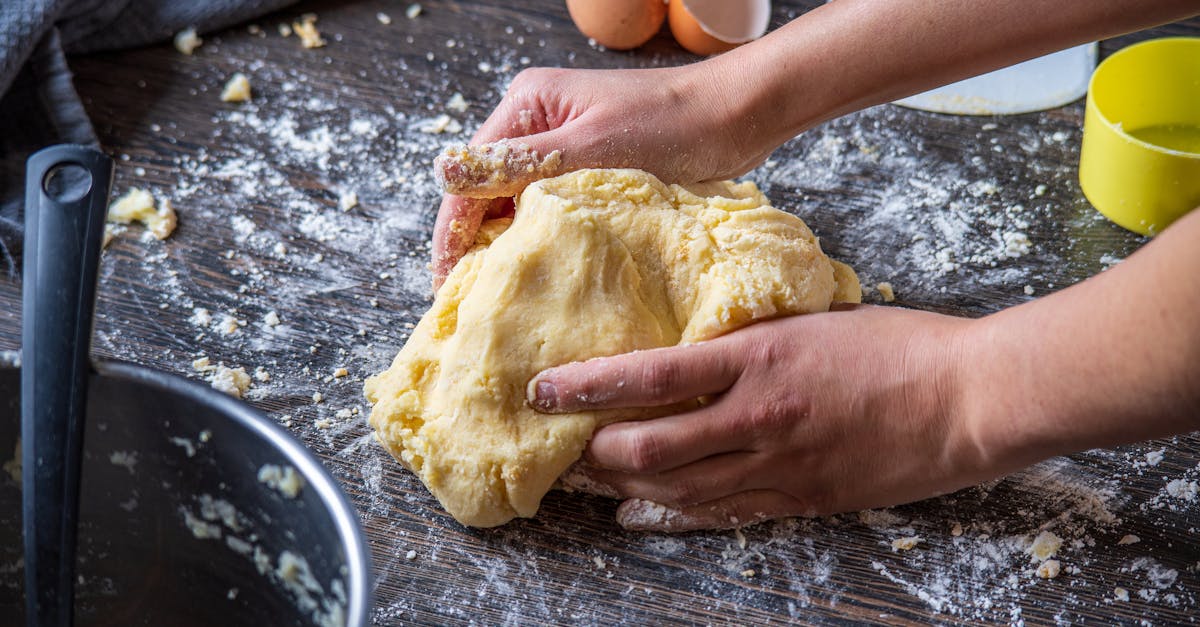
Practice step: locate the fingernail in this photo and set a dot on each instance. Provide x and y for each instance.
(542, 395)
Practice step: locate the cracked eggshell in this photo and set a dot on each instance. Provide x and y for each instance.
(618, 24)
(707, 27)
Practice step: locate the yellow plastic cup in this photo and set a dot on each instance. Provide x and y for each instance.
(1140, 160)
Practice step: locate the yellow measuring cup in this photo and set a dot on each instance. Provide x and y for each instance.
(1140, 160)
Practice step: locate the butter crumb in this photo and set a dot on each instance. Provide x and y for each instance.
(306, 30)
(412, 11)
(906, 543)
(1049, 569)
(1128, 539)
(348, 201)
(186, 40)
(237, 89)
(137, 205)
(1044, 546)
(886, 291)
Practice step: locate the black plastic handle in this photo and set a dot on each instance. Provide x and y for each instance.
(66, 198)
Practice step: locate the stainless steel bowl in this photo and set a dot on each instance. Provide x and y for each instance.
(175, 525)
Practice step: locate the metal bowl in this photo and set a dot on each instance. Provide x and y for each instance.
(188, 514)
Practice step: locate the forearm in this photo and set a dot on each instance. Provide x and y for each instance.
(1111, 360)
(852, 54)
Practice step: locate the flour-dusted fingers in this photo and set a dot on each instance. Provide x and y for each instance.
(493, 170)
(454, 232)
(738, 510)
(706, 480)
(650, 378)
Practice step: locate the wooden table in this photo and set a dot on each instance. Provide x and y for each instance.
(935, 204)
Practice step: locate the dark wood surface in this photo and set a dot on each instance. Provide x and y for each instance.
(886, 190)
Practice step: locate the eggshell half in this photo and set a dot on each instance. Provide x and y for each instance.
(707, 27)
(618, 24)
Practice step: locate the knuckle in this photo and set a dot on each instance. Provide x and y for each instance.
(685, 491)
(659, 377)
(770, 416)
(645, 453)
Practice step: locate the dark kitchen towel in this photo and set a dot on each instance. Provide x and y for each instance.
(38, 103)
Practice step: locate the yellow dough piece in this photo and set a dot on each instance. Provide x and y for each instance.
(595, 263)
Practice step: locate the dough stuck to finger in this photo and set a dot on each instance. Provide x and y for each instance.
(595, 263)
(495, 170)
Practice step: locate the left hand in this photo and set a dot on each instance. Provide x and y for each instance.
(808, 415)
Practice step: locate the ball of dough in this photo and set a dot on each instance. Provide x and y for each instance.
(595, 263)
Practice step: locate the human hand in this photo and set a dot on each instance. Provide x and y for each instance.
(674, 123)
(808, 415)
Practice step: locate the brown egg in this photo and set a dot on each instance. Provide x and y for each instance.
(618, 24)
(711, 26)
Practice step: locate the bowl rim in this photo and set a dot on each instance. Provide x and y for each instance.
(1119, 128)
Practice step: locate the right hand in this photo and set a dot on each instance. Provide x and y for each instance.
(676, 123)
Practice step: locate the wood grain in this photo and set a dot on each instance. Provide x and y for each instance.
(545, 571)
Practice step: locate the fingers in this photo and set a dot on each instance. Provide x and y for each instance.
(651, 378)
(454, 232)
(706, 480)
(738, 510)
(662, 444)
(493, 170)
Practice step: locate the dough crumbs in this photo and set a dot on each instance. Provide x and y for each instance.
(271, 319)
(125, 459)
(412, 11)
(886, 291)
(137, 205)
(201, 317)
(1153, 458)
(1120, 594)
(261, 374)
(956, 530)
(317, 397)
(1182, 489)
(285, 30)
(232, 381)
(284, 479)
(188, 447)
(383, 18)
(1128, 539)
(457, 103)
(348, 201)
(186, 40)
(306, 30)
(599, 562)
(438, 125)
(1028, 290)
(906, 544)
(1044, 546)
(13, 466)
(748, 573)
(237, 89)
(495, 170)
(1049, 569)
(411, 555)
(340, 372)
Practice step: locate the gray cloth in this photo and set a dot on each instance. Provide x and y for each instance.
(38, 103)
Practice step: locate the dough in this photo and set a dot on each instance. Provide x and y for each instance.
(595, 263)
